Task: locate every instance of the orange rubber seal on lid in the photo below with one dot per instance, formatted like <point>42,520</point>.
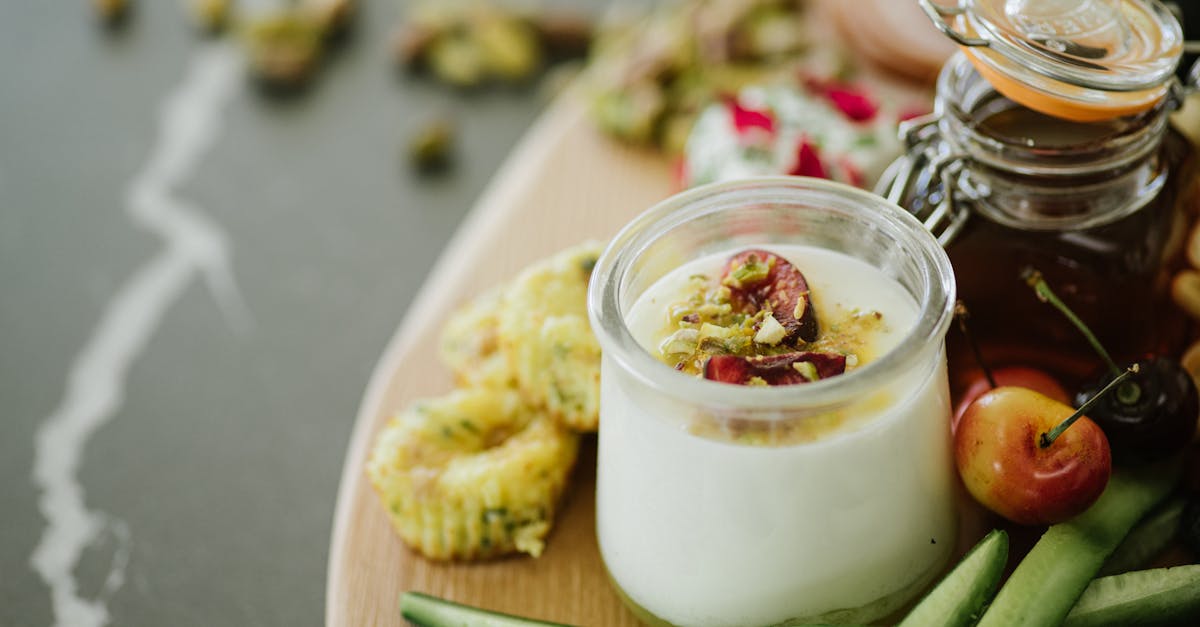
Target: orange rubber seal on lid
<point>1117,104</point>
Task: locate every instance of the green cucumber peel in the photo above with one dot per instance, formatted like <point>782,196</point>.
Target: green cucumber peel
<point>1147,540</point>
<point>959,598</point>
<point>1158,597</point>
<point>429,611</point>
<point>1045,585</point>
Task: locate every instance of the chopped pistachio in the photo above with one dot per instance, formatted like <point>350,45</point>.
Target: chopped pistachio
<point>737,344</point>
<point>757,382</point>
<point>801,306</point>
<point>770,332</point>
<point>681,342</point>
<point>807,370</point>
<point>753,271</point>
<point>713,310</point>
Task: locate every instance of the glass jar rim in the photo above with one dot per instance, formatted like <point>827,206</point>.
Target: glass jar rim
<point>935,300</point>
<point>1137,137</point>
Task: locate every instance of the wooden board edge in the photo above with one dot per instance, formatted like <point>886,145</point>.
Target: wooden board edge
<point>494,203</point>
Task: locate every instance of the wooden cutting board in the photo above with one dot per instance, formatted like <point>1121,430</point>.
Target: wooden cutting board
<point>564,183</point>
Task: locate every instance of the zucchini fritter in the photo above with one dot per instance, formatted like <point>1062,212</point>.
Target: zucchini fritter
<point>473,474</point>
<point>545,334</point>
<point>470,343</point>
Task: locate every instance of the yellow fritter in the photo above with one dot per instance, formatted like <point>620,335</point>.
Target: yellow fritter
<point>545,335</point>
<point>473,474</point>
<point>470,343</point>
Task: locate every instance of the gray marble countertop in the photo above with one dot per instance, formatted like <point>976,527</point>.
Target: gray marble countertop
<point>196,283</point>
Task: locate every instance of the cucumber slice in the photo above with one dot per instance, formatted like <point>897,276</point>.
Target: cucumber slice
<point>1147,540</point>
<point>1162,596</point>
<point>429,611</point>
<point>1046,584</point>
<point>959,598</point>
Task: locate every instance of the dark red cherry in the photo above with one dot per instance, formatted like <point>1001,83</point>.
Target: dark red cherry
<point>777,286</point>
<point>785,369</point>
<point>1150,416</point>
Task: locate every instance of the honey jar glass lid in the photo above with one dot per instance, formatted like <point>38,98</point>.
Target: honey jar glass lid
<point>1078,59</point>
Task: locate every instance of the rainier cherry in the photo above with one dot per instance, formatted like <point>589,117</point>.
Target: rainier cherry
<point>1030,458</point>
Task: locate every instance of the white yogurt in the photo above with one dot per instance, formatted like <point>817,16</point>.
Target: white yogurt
<point>700,530</point>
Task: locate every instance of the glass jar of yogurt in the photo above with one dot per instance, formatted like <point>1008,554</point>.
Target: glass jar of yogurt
<point>834,500</point>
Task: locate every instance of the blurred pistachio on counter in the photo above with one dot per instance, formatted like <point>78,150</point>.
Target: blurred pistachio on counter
<point>111,12</point>
<point>286,40</point>
<point>284,47</point>
<point>466,44</point>
<point>430,149</point>
<point>457,60</point>
<point>565,34</point>
<point>510,48</point>
<point>210,16</point>
<point>334,16</point>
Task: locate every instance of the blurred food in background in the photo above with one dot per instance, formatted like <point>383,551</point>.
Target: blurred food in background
<point>431,146</point>
<point>832,130</point>
<point>111,12</point>
<point>467,44</point>
<point>210,16</point>
<point>650,74</point>
<point>650,78</point>
<point>285,40</point>
<point>894,35</point>
<point>754,87</point>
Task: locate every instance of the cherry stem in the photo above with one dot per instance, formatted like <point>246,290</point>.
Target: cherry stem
<point>961,313</point>
<point>1050,436</point>
<point>1046,295</point>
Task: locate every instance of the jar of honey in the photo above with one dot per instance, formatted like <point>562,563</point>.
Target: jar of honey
<point>1050,148</point>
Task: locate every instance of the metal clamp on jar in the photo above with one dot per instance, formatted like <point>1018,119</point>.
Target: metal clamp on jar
<point>1050,146</point>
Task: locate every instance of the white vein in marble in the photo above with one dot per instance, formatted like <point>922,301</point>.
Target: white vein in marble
<point>193,245</point>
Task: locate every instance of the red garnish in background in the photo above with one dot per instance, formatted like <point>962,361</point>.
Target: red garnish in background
<point>808,161</point>
<point>854,176</point>
<point>781,291</point>
<point>774,369</point>
<point>679,174</point>
<point>746,120</point>
<point>852,102</point>
<point>913,111</point>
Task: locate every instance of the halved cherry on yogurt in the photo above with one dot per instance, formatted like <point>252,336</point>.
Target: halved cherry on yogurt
<point>781,288</point>
<point>785,369</point>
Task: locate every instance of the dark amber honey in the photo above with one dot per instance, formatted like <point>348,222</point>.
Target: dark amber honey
<point>1114,273</point>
